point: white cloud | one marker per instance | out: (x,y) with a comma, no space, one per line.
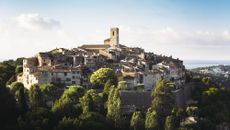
(35,21)
(207,45)
(32,33)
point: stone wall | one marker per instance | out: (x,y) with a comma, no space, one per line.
(184,94)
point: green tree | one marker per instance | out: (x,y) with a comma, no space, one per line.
(68,124)
(137,122)
(192,110)
(151,120)
(99,78)
(107,86)
(170,123)
(91,101)
(22,101)
(19,61)
(7,70)
(68,105)
(214,105)
(35,96)
(163,101)
(49,92)
(114,106)
(37,119)
(15,86)
(8,111)
(93,120)
(73,93)
(19,69)
(122,85)
(11,80)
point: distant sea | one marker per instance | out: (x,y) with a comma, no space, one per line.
(190,64)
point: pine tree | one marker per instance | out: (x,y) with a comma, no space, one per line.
(114,106)
(151,120)
(137,122)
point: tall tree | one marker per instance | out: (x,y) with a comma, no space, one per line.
(37,119)
(151,120)
(68,104)
(170,122)
(21,101)
(137,121)
(35,96)
(15,86)
(73,93)
(107,86)
(7,70)
(163,101)
(8,113)
(114,106)
(49,92)
(91,101)
(68,124)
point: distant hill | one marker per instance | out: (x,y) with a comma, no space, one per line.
(191,64)
(220,73)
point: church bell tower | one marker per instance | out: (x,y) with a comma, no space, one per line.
(114,36)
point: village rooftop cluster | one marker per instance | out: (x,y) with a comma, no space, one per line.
(74,66)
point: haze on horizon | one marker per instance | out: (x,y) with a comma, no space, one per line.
(185,29)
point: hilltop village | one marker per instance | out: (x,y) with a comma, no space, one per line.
(110,86)
(73,67)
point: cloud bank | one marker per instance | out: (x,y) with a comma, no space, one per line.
(27,34)
(35,21)
(204,45)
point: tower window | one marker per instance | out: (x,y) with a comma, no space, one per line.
(113,33)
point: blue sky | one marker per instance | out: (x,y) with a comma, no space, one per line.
(185,29)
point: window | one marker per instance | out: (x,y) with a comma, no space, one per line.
(58,80)
(141,78)
(73,77)
(65,73)
(113,33)
(73,82)
(68,79)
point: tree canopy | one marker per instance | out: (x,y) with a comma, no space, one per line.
(137,121)
(35,96)
(99,78)
(15,86)
(151,120)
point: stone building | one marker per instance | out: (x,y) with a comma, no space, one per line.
(113,41)
(74,66)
